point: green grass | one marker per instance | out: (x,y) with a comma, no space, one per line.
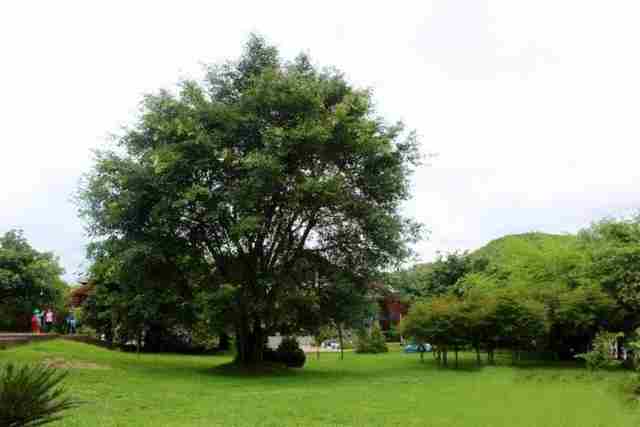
(122,389)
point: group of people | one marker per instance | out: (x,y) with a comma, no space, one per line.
(44,321)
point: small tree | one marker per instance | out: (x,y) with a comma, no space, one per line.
(371,341)
(437,321)
(417,325)
(520,321)
(345,304)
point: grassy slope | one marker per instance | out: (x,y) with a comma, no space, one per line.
(392,389)
(513,246)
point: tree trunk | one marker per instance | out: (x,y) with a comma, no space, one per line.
(108,335)
(249,344)
(456,351)
(444,357)
(422,356)
(478,361)
(223,343)
(341,341)
(491,356)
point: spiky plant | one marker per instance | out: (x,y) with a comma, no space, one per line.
(32,395)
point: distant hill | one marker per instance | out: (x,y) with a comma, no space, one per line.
(532,257)
(514,245)
(528,258)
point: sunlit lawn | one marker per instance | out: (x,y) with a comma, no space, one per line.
(122,389)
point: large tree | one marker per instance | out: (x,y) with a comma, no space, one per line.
(268,172)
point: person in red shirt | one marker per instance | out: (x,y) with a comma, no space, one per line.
(35,323)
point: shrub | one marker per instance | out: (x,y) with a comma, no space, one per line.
(270,355)
(31,395)
(634,358)
(599,357)
(290,353)
(371,342)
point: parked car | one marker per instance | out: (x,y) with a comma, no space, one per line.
(418,348)
(331,344)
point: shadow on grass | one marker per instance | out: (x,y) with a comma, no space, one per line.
(236,370)
(232,370)
(313,373)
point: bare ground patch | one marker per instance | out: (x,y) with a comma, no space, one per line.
(60,363)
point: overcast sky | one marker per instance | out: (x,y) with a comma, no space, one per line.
(530,106)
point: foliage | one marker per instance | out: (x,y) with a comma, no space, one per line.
(29,279)
(290,353)
(411,284)
(600,355)
(31,395)
(268,173)
(346,306)
(495,319)
(446,271)
(613,247)
(432,321)
(553,275)
(533,258)
(634,346)
(146,294)
(437,278)
(520,321)
(371,341)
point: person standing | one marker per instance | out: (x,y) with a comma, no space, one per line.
(71,323)
(35,322)
(48,319)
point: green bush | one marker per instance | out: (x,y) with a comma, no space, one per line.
(270,355)
(31,395)
(290,353)
(371,342)
(634,360)
(599,357)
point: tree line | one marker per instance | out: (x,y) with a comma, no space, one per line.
(540,293)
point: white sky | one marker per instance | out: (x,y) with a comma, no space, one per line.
(531,106)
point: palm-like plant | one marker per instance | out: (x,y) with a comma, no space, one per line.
(32,395)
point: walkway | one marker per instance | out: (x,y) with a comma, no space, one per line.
(10,339)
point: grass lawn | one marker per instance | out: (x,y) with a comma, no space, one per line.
(395,389)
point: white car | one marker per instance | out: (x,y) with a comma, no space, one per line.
(331,344)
